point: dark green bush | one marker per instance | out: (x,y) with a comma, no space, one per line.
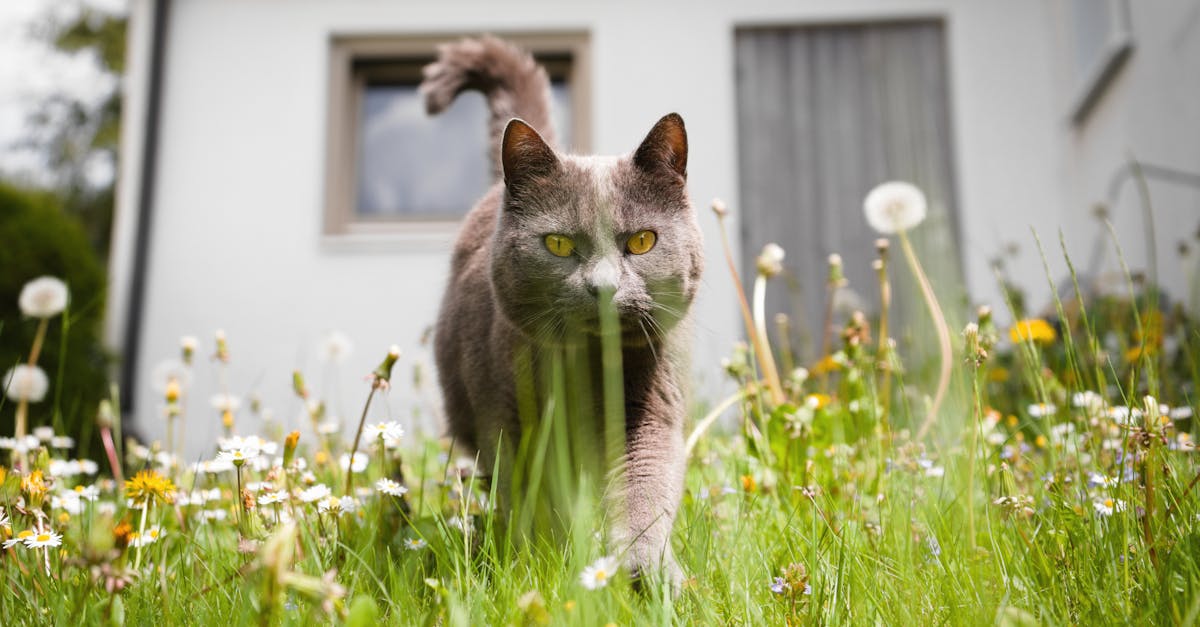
(36,239)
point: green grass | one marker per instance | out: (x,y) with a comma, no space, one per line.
(862,524)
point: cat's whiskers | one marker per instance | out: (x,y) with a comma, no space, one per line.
(649,340)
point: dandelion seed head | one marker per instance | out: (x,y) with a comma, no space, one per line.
(44,297)
(26,383)
(895,206)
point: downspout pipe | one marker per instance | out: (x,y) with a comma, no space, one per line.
(145,206)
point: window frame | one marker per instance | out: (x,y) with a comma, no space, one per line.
(1092,82)
(346,90)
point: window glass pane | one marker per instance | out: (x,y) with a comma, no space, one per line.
(413,165)
(1093,28)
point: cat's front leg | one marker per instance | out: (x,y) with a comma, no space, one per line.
(652,485)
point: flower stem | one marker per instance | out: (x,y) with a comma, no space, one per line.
(708,420)
(766,358)
(883,357)
(362,421)
(977,413)
(137,562)
(943,334)
(22,418)
(238,496)
(111,451)
(772,380)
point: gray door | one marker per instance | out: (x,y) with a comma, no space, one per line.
(824,114)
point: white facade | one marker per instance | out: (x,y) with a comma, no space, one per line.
(237,240)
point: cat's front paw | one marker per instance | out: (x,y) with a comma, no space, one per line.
(650,573)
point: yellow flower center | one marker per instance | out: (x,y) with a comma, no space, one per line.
(25,534)
(43,537)
(1108,503)
(601,575)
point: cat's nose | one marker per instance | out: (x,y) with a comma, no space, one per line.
(602,276)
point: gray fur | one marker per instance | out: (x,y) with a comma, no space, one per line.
(508,296)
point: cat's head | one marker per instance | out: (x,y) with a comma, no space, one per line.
(571,227)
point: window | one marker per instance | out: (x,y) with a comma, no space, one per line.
(1101,41)
(393,169)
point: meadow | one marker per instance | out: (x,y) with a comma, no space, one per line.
(1042,472)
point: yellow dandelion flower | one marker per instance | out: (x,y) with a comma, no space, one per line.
(34,484)
(1032,330)
(173,390)
(826,364)
(1040,441)
(749,484)
(1137,352)
(149,485)
(817,401)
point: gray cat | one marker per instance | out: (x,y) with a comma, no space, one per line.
(555,236)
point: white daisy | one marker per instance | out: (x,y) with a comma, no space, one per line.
(150,537)
(1088,400)
(598,574)
(210,515)
(360,462)
(26,383)
(315,493)
(43,539)
(17,539)
(390,430)
(237,456)
(335,505)
(44,297)
(270,498)
(1180,413)
(414,544)
(389,487)
(894,206)
(1106,507)
(1041,410)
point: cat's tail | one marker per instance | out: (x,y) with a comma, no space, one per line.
(515,85)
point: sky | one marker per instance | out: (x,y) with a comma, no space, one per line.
(30,71)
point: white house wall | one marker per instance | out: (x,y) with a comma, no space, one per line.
(237,233)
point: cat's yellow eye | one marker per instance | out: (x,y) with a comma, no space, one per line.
(641,242)
(560,245)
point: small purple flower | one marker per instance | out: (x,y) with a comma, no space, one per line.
(779,586)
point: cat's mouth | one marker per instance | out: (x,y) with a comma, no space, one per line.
(632,327)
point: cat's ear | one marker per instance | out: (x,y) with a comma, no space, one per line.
(665,148)
(524,155)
